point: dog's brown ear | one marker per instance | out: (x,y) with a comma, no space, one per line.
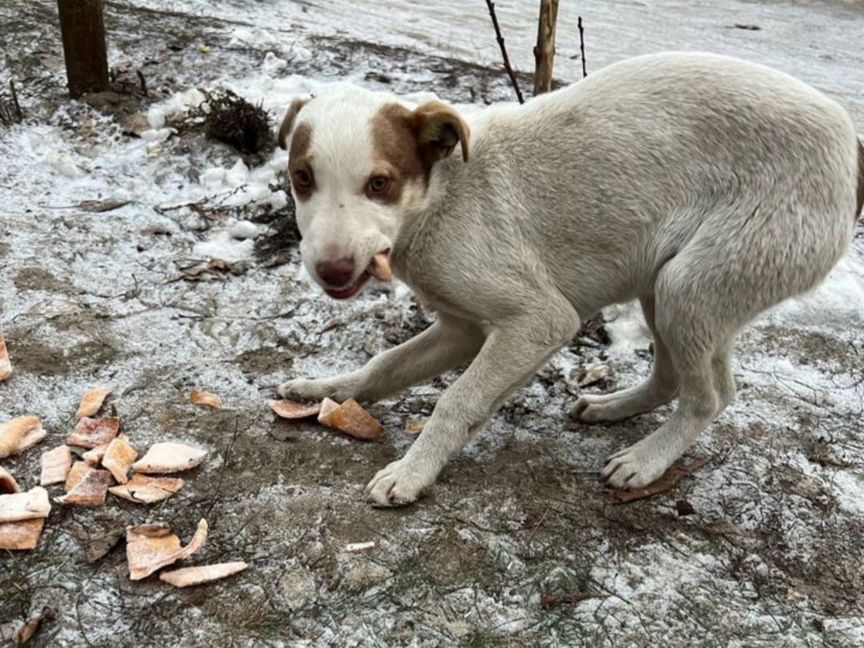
(439,128)
(288,121)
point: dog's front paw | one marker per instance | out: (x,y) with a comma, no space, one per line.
(399,483)
(303,389)
(636,466)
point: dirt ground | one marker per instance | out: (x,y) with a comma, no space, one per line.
(518,544)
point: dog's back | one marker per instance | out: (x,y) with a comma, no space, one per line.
(615,175)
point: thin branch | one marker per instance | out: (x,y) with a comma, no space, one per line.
(500,38)
(582,47)
(18,112)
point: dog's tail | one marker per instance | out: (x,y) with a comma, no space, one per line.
(860,178)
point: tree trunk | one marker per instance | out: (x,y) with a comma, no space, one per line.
(544,51)
(84,45)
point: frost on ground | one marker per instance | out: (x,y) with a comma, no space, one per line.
(518,543)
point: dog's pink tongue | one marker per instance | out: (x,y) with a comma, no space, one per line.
(379,267)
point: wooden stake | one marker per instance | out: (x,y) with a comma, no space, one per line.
(544,51)
(84,45)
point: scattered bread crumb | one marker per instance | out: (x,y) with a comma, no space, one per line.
(91,433)
(292,411)
(189,576)
(152,546)
(19,434)
(119,457)
(7,482)
(5,363)
(25,506)
(169,457)
(89,491)
(145,489)
(92,401)
(352,419)
(56,465)
(380,267)
(21,536)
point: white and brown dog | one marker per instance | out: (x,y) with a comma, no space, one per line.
(707,187)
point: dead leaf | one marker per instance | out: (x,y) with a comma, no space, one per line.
(144,489)
(212,269)
(593,373)
(92,401)
(135,125)
(91,433)
(22,535)
(25,506)
(292,411)
(663,485)
(571,598)
(415,426)
(152,546)
(19,434)
(7,482)
(97,547)
(26,632)
(683,507)
(99,206)
(189,576)
(169,457)
(5,363)
(352,419)
(119,457)
(90,491)
(198,397)
(56,465)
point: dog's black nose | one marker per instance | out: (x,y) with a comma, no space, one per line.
(336,273)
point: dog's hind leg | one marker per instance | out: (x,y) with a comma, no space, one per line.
(448,343)
(698,314)
(724,381)
(660,388)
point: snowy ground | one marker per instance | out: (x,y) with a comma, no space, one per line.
(772,554)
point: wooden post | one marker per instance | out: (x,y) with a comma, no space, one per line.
(544,51)
(84,45)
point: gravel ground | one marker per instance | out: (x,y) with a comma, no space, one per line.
(518,544)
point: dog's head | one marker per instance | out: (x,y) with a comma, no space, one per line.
(360,163)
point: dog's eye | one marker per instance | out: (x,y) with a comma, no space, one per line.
(303,178)
(378,184)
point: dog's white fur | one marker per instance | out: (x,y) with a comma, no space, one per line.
(707,187)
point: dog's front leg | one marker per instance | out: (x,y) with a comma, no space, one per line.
(448,343)
(510,356)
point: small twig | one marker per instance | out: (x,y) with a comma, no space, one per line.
(582,46)
(143,82)
(500,38)
(18,112)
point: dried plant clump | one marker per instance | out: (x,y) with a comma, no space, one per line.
(231,119)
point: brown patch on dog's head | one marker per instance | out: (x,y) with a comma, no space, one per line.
(439,128)
(288,121)
(409,143)
(300,162)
